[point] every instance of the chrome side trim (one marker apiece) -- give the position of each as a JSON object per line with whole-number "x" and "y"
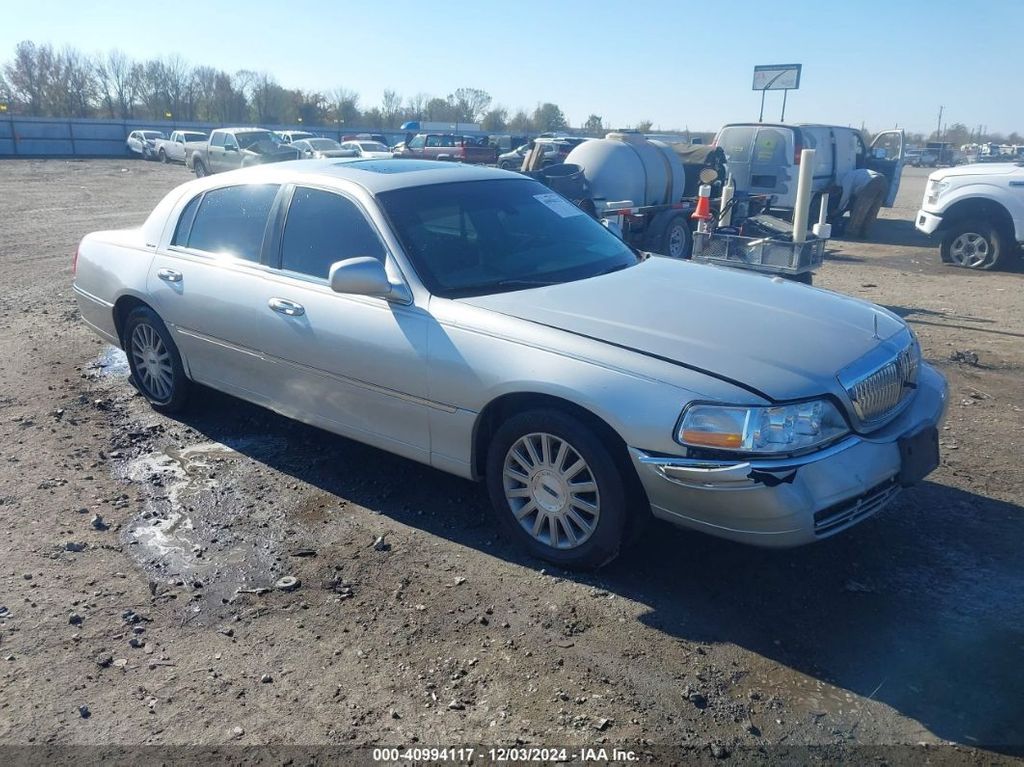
{"x": 91, "y": 297}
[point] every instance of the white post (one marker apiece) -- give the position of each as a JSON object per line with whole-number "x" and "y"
{"x": 801, "y": 210}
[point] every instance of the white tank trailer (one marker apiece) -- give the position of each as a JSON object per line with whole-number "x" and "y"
{"x": 639, "y": 184}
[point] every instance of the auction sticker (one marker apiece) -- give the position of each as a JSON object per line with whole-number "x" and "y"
{"x": 559, "y": 204}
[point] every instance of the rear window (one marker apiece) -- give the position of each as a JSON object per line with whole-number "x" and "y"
{"x": 231, "y": 221}
{"x": 737, "y": 142}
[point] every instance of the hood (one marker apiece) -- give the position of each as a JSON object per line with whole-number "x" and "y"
{"x": 978, "y": 169}
{"x": 776, "y": 337}
{"x": 336, "y": 153}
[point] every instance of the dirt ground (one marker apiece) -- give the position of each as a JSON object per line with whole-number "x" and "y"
{"x": 153, "y": 625}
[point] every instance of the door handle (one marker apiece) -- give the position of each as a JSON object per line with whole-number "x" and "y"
{"x": 284, "y": 306}
{"x": 169, "y": 275}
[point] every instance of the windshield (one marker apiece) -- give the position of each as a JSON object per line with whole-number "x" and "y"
{"x": 372, "y": 146}
{"x": 152, "y": 134}
{"x": 248, "y": 138}
{"x": 322, "y": 143}
{"x": 480, "y": 237}
{"x": 194, "y": 136}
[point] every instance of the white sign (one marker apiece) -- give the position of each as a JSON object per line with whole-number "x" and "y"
{"x": 559, "y": 204}
{"x": 777, "y": 77}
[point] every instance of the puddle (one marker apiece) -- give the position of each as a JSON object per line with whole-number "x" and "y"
{"x": 110, "y": 362}
{"x": 205, "y": 522}
{"x": 810, "y": 694}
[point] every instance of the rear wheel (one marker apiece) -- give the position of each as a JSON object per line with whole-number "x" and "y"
{"x": 556, "y": 489}
{"x": 671, "y": 238}
{"x": 163, "y": 156}
{"x": 974, "y": 244}
{"x": 154, "y": 361}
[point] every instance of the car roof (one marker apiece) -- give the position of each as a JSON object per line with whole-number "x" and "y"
{"x": 375, "y": 176}
{"x": 245, "y": 130}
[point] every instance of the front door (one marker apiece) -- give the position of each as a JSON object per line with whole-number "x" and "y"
{"x": 353, "y": 364}
{"x": 886, "y": 157}
{"x": 207, "y": 284}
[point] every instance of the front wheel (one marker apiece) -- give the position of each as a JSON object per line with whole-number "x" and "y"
{"x": 199, "y": 168}
{"x": 163, "y": 156}
{"x": 974, "y": 244}
{"x": 557, "y": 489}
{"x": 154, "y": 361}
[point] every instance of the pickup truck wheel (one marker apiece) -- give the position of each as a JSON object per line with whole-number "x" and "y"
{"x": 163, "y": 156}
{"x": 556, "y": 489}
{"x": 974, "y": 244}
{"x": 153, "y": 358}
{"x": 198, "y": 167}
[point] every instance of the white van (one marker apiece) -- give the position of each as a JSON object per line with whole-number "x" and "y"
{"x": 764, "y": 158}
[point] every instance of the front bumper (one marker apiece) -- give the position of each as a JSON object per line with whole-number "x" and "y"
{"x": 927, "y": 222}
{"x": 790, "y": 501}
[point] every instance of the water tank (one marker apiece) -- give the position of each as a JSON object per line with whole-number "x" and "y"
{"x": 627, "y": 166}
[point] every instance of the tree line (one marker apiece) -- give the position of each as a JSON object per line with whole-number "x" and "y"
{"x": 43, "y": 81}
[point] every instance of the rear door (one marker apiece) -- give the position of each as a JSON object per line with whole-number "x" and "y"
{"x": 207, "y": 284}
{"x": 887, "y": 157}
{"x": 760, "y": 160}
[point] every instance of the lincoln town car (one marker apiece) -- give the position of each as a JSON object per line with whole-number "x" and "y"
{"x": 473, "y": 320}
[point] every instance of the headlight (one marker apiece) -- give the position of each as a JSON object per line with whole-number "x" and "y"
{"x": 777, "y": 429}
{"x": 936, "y": 190}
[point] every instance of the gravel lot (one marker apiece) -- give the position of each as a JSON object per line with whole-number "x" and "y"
{"x": 908, "y": 629}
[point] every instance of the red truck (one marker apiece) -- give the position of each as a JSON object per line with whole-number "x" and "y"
{"x": 448, "y": 146}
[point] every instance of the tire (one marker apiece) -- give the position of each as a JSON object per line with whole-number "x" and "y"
{"x": 974, "y": 244}
{"x": 162, "y": 155}
{"x": 154, "y": 361}
{"x": 587, "y": 525}
{"x": 505, "y": 165}
{"x": 671, "y": 238}
{"x": 199, "y": 168}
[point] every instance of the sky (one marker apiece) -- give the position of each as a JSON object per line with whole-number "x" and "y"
{"x": 680, "y": 64}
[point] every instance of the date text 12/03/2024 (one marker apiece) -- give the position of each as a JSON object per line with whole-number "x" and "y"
{"x": 465, "y": 754}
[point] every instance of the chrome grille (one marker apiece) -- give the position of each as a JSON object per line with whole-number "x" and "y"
{"x": 842, "y": 515}
{"x": 881, "y": 392}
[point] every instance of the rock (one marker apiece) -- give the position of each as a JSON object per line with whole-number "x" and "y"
{"x": 459, "y": 581}
{"x": 697, "y": 699}
{"x": 237, "y": 732}
{"x": 99, "y": 524}
{"x": 266, "y": 679}
{"x": 75, "y": 546}
{"x": 136, "y": 642}
{"x": 751, "y": 728}
{"x": 120, "y": 663}
{"x": 303, "y": 552}
{"x": 287, "y": 583}
{"x": 27, "y": 576}
{"x": 84, "y": 712}
{"x": 966, "y": 357}
{"x": 719, "y": 751}
{"x": 228, "y": 632}
{"x": 456, "y": 705}
{"x": 8, "y": 657}
{"x": 4, "y": 612}
{"x": 104, "y": 660}
{"x": 380, "y": 544}
{"x": 75, "y": 619}
{"x": 603, "y": 724}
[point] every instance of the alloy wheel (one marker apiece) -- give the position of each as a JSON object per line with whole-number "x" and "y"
{"x": 970, "y": 249}
{"x": 152, "y": 362}
{"x": 551, "y": 490}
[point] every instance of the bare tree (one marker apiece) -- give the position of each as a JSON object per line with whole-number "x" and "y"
{"x": 118, "y": 83}
{"x": 470, "y": 103}
{"x": 344, "y": 105}
{"x": 391, "y": 108}
{"x": 26, "y": 81}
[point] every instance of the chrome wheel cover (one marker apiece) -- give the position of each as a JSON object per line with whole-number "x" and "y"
{"x": 551, "y": 491}
{"x": 152, "y": 362}
{"x": 970, "y": 249}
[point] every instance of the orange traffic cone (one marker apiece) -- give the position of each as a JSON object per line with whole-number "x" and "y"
{"x": 703, "y": 211}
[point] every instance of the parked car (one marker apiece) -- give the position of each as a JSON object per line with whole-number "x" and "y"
{"x": 446, "y": 146}
{"x": 556, "y": 149}
{"x": 173, "y": 149}
{"x": 513, "y": 160}
{"x": 378, "y": 137}
{"x": 764, "y": 158}
{"x": 143, "y": 143}
{"x": 290, "y": 136}
{"x": 373, "y": 150}
{"x": 977, "y": 212}
{"x": 233, "y": 148}
{"x": 470, "y": 319}
{"x": 318, "y": 148}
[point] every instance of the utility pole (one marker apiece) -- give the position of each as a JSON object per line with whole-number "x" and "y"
{"x": 938, "y": 128}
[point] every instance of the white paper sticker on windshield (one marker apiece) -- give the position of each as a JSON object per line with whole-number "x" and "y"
{"x": 559, "y": 204}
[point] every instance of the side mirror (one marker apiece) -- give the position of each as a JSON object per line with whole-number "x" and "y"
{"x": 363, "y": 276}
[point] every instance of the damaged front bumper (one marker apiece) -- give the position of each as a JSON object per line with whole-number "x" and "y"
{"x": 792, "y": 501}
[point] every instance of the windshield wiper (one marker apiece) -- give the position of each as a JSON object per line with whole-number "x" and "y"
{"x": 525, "y": 283}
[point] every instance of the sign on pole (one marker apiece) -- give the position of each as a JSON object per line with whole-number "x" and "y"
{"x": 776, "y": 77}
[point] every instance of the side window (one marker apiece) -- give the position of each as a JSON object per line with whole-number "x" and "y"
{"x": 322, "y": 228}
{"x": 417, "y": 142}
{"x": 217, "y": 139}
{"x": 433, "y": 141}
{"x": 737, "y": 142}
{"x": 184, "y": 226}
{"x": 232, "y": 220}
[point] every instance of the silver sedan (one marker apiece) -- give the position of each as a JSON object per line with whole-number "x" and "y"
{"x": 470, "y": 319}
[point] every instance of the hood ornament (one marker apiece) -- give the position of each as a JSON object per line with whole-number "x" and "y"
{"x": 874, "y": 316}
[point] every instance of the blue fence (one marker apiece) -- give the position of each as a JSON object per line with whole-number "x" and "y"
{"x": 56, "y": 137}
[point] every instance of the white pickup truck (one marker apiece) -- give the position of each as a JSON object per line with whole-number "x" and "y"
{"x": 173, "y": 149}
{"x": 978, "y": 211}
